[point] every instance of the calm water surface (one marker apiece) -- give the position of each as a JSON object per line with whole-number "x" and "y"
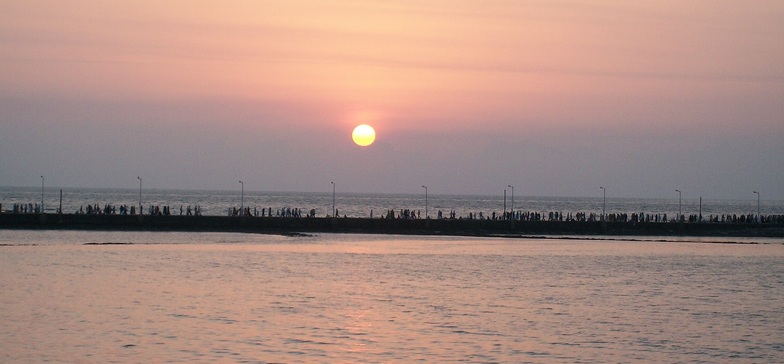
{"x": 195, "y": 297}
{"x": 218, "y": 203}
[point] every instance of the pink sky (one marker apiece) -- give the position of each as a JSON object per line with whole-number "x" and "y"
{"x": 467, "y": 97}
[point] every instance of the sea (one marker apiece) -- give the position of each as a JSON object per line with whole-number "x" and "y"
{"x": 193, "y": 297}
{"x": 220, "y": 203}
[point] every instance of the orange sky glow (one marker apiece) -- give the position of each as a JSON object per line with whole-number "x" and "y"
{"x": 555, "y": 83}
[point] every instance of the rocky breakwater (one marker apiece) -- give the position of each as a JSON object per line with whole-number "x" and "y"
{"x": 464, "y": 227}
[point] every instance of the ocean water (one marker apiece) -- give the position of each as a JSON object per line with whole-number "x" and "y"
{"x": 363, "y": 205}
{"x": 140, "y": 297}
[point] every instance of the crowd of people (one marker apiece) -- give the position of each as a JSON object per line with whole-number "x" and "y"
{"x": 625, "y": 217}
{"x": 154, "y": 210}
{"x": 21, "y": 208}
{"x": 294, "y": 212}
{"x": 267, "y": 212}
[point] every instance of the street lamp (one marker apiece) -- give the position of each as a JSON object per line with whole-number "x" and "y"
{"x": 679, "y": 205}
{"x": 513, "y": 211}
{"x": 759, "y": 219}
{"x": 242, "y": 196}
{"x": 425, "y": 187}
{"x": 604, "y": 201}
{"x": 42, "y": 194}
{"x": 333, "y": 199}
{"x": 140, "y": 194}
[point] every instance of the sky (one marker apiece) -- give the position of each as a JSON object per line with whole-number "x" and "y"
{"x": 556, "y": 98}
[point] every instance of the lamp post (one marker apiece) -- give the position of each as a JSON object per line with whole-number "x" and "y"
{"x": 140, "y": 194}
{"x": 425, "y": 187}
{"x": 759, "y": 219}
{"x": 604, "y": 201}
{"x": 242, "y": 196}
{"x": 42, "y": 194}
{"x": 679, "y": 205}
{"x": 333, "y": 199}
{"x": 504, "y": 202}
{"x": 513, "y": 211}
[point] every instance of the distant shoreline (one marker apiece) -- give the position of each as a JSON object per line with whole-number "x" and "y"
{"x": 445, "y": 227}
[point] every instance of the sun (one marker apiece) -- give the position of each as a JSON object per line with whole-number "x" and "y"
{"x": 363, "y": 135}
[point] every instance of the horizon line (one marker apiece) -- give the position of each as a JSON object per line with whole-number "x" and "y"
{"x": 382, "y": 193}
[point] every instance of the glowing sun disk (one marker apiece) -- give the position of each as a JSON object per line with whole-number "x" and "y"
{"x": 363, "y": 135}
